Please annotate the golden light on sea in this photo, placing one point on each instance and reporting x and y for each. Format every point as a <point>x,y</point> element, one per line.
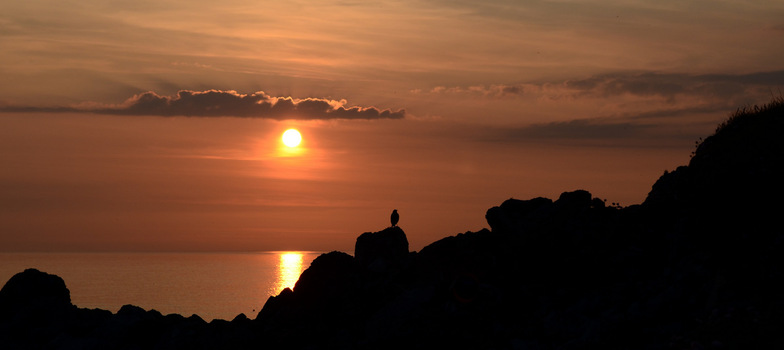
<point>289,269</point>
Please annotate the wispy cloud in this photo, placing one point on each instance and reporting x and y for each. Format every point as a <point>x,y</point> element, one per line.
<point>672,84</point>
<point>622,108</point>
<point>580,129</point>
<point>217,103</point>
<point>644,84</point>
<point>651,97</point>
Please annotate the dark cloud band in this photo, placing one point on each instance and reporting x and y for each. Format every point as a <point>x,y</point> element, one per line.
<point>217,103</point>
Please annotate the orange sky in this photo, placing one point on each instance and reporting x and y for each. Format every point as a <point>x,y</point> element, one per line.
<point>149,125</point>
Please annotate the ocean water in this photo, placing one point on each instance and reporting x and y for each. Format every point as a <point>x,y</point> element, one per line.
<point>211,285</point>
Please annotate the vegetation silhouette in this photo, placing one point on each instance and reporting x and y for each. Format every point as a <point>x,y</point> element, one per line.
<point>694,266</point>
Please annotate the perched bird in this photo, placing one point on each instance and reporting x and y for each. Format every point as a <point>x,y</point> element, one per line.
<point>394,217</point>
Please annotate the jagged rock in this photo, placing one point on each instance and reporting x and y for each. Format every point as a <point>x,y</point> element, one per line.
<point>389,245</point>
<point>34,304</point>
<point>331,280</point>
<point>240,318</point>
<point>668,192</point>
<point>323,304</point>
<point>527,216</point>
<point>576,199</point>
<point>34,307</point>
<point>509,215</point>
<point>737,166</point>
<point>330,276</point>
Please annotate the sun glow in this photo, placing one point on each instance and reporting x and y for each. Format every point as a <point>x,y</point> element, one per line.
<point>291,138</point>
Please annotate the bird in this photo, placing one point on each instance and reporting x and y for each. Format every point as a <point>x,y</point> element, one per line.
<point>394,217</point>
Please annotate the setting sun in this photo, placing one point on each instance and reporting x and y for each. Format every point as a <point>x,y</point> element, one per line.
<point>291,138</point>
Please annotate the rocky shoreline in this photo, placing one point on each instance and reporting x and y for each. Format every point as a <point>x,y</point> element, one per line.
<point>696,266</point>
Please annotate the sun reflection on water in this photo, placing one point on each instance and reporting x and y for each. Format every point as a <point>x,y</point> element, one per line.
<point>289,269</point>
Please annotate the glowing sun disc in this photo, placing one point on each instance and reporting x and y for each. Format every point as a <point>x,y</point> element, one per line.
<point>291,138</point>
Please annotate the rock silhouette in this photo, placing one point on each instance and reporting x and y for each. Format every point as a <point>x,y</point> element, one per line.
<point>696,265</point>
<point>383,247</point>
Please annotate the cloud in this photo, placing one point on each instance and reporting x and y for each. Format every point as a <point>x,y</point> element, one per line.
<point>777,27</point>
<point>641,84</point>
<point>673,84</point>
<point>579,129</point>
<point>217,103</point>
<point>684,111</point>
<point>495,90</point>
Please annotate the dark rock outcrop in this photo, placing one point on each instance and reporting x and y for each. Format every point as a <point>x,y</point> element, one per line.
<point>33,293</point>
<point>514,212</point>
<point>331,280</point>
<point>34,305</point>
<point>738,167</point>
<point>384,247</point>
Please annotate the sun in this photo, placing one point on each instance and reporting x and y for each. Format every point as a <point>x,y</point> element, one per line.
<point>291,138</point>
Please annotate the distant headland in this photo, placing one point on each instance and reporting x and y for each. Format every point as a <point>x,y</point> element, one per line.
<point>695,266</point>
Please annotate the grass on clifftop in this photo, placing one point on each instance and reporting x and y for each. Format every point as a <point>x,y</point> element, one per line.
<point>771,109</point>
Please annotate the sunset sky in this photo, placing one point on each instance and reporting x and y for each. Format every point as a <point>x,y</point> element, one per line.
<point>155,125</point>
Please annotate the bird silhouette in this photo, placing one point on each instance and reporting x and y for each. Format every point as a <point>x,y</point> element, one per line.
<point>394,217</point>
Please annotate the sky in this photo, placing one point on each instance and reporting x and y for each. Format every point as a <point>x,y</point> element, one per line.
<point>155,125</point>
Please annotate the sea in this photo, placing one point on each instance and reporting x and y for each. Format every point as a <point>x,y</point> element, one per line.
<point>210,285</point>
